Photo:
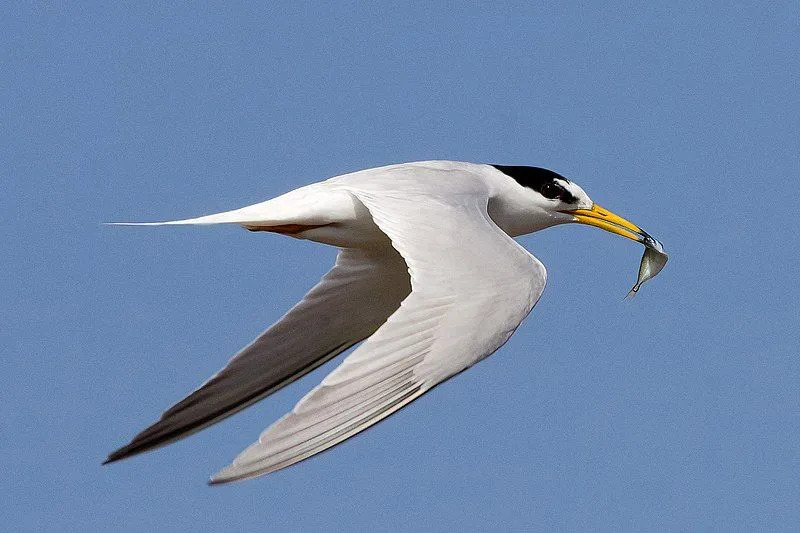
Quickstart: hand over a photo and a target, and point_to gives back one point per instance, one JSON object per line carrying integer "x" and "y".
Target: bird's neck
{"x": 514, "y": 214}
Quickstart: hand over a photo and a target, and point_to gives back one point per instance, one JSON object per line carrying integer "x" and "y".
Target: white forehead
{"x": 584, "y": 202}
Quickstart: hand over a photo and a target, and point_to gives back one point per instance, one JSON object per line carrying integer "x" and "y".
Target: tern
{"x": 428, "y": 275}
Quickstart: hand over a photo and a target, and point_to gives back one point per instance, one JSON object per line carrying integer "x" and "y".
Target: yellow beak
{"x": 604, "y": 219}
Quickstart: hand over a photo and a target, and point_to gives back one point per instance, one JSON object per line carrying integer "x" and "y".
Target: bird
{"x": 428, "y": 278}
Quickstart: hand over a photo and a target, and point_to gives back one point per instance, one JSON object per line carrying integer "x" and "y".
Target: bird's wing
{"x": 348, "y": 305}
{"x": 471, "y": 287}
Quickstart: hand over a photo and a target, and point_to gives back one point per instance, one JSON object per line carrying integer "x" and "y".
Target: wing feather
{"x": 471, "y": 287}
{"x": 348, "y": 305}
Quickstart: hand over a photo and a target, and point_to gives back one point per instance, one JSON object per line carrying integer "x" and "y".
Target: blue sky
{"x": 677, "y": 410}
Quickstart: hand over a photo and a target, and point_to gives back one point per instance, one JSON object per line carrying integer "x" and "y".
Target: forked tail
{"x": 252, "y": 215}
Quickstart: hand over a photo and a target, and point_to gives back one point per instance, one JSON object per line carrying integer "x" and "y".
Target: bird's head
{"x": 550, "y": 199}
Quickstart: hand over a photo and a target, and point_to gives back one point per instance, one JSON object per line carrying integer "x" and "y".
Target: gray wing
{"x": 471, "y": 287}
{"x": 345, "y": 307}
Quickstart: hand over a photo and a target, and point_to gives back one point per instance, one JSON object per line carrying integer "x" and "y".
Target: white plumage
{"x": 428, "y": 274}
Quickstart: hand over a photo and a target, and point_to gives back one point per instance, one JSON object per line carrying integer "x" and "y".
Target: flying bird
{"x": 428, "y": 275}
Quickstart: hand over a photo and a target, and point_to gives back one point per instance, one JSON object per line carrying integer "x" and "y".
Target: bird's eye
{"x": 551, "y": 191}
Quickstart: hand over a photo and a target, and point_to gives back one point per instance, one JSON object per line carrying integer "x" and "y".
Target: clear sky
{"x": 677, "y": 410}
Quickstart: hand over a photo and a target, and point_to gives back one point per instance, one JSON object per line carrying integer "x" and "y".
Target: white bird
{"x": 428, "y": 273}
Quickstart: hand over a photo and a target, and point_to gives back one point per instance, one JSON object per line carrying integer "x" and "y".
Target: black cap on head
{"x": 546, "y": 182}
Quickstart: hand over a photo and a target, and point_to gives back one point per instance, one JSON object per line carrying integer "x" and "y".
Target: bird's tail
{"x": 307, "y": 207}
{"x": 250, "y": 215}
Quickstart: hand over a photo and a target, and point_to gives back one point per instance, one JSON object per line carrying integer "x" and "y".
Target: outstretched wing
{"x": 471, "y": 287}
{"x": 348, "y": 305}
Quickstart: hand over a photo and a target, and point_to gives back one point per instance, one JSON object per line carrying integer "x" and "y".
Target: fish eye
{"x": 551, "y": 191}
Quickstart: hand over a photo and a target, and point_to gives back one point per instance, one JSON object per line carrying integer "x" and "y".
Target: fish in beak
{"x": 654, "y": 257}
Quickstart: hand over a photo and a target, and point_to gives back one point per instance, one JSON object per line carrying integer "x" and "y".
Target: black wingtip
{"x": 123, "y": 453}
{"x": 113, "y": 457}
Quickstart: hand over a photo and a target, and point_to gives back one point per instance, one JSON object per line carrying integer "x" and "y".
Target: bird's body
{"x": 428, "y": 273}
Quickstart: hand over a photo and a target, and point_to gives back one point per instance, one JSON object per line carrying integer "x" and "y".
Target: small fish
{"x": 653, "y": 261}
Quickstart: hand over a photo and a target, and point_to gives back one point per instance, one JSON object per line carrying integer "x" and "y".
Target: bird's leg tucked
{"x": 286, "y": 229}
